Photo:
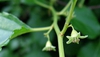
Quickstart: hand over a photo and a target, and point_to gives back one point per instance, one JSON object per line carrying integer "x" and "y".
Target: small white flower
{"x": 49, "y": 47}
{"x": 75, "y": 37}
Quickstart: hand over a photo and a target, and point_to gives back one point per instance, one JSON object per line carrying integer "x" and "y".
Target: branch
{"x": 68, "y": 19}
{"x": 57, "y": 30}
{"x": 64, "y": 10}
{"x": 41, "y": 4}
{"x": 40, "y": 29}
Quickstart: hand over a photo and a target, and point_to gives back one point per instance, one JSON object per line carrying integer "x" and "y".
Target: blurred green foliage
{"x": 86, "y": 20}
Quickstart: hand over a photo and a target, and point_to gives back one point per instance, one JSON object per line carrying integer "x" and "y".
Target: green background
{"x": 86, "y": 20}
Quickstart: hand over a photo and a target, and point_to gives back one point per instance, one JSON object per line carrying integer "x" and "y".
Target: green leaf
{"x": 86, "y": 22}
{"x": 90, "y": 50}
{"x": 10, "y": 27}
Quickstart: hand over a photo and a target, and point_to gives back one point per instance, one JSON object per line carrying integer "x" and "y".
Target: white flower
{"x": 75, "y": 37}
{"x": 49, "y": 47}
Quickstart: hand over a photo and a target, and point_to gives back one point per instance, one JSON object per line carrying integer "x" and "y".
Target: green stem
{"x": 41, "y": 4}
{"x": 50, "y": 29}
{"x": 68, "y": 19}
{"x": 57, "y": 30}
{"x": 40, "y": 29}
{"x": 47, "y": 33}
{"x": 65, "y": 8}
{"x": 32, "y": 30}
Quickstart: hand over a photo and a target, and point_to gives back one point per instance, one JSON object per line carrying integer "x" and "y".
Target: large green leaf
{"x": 90, "y": 50}
{"x": 10, "y": 27}
{"x": 86, "y": 22}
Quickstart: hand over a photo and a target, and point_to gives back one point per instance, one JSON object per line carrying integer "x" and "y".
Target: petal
{"x": 68, "y": 37}
{"x": 82, "y": 37}
{"x": 69, "y": 41}
{"x": 51, "y": 48}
